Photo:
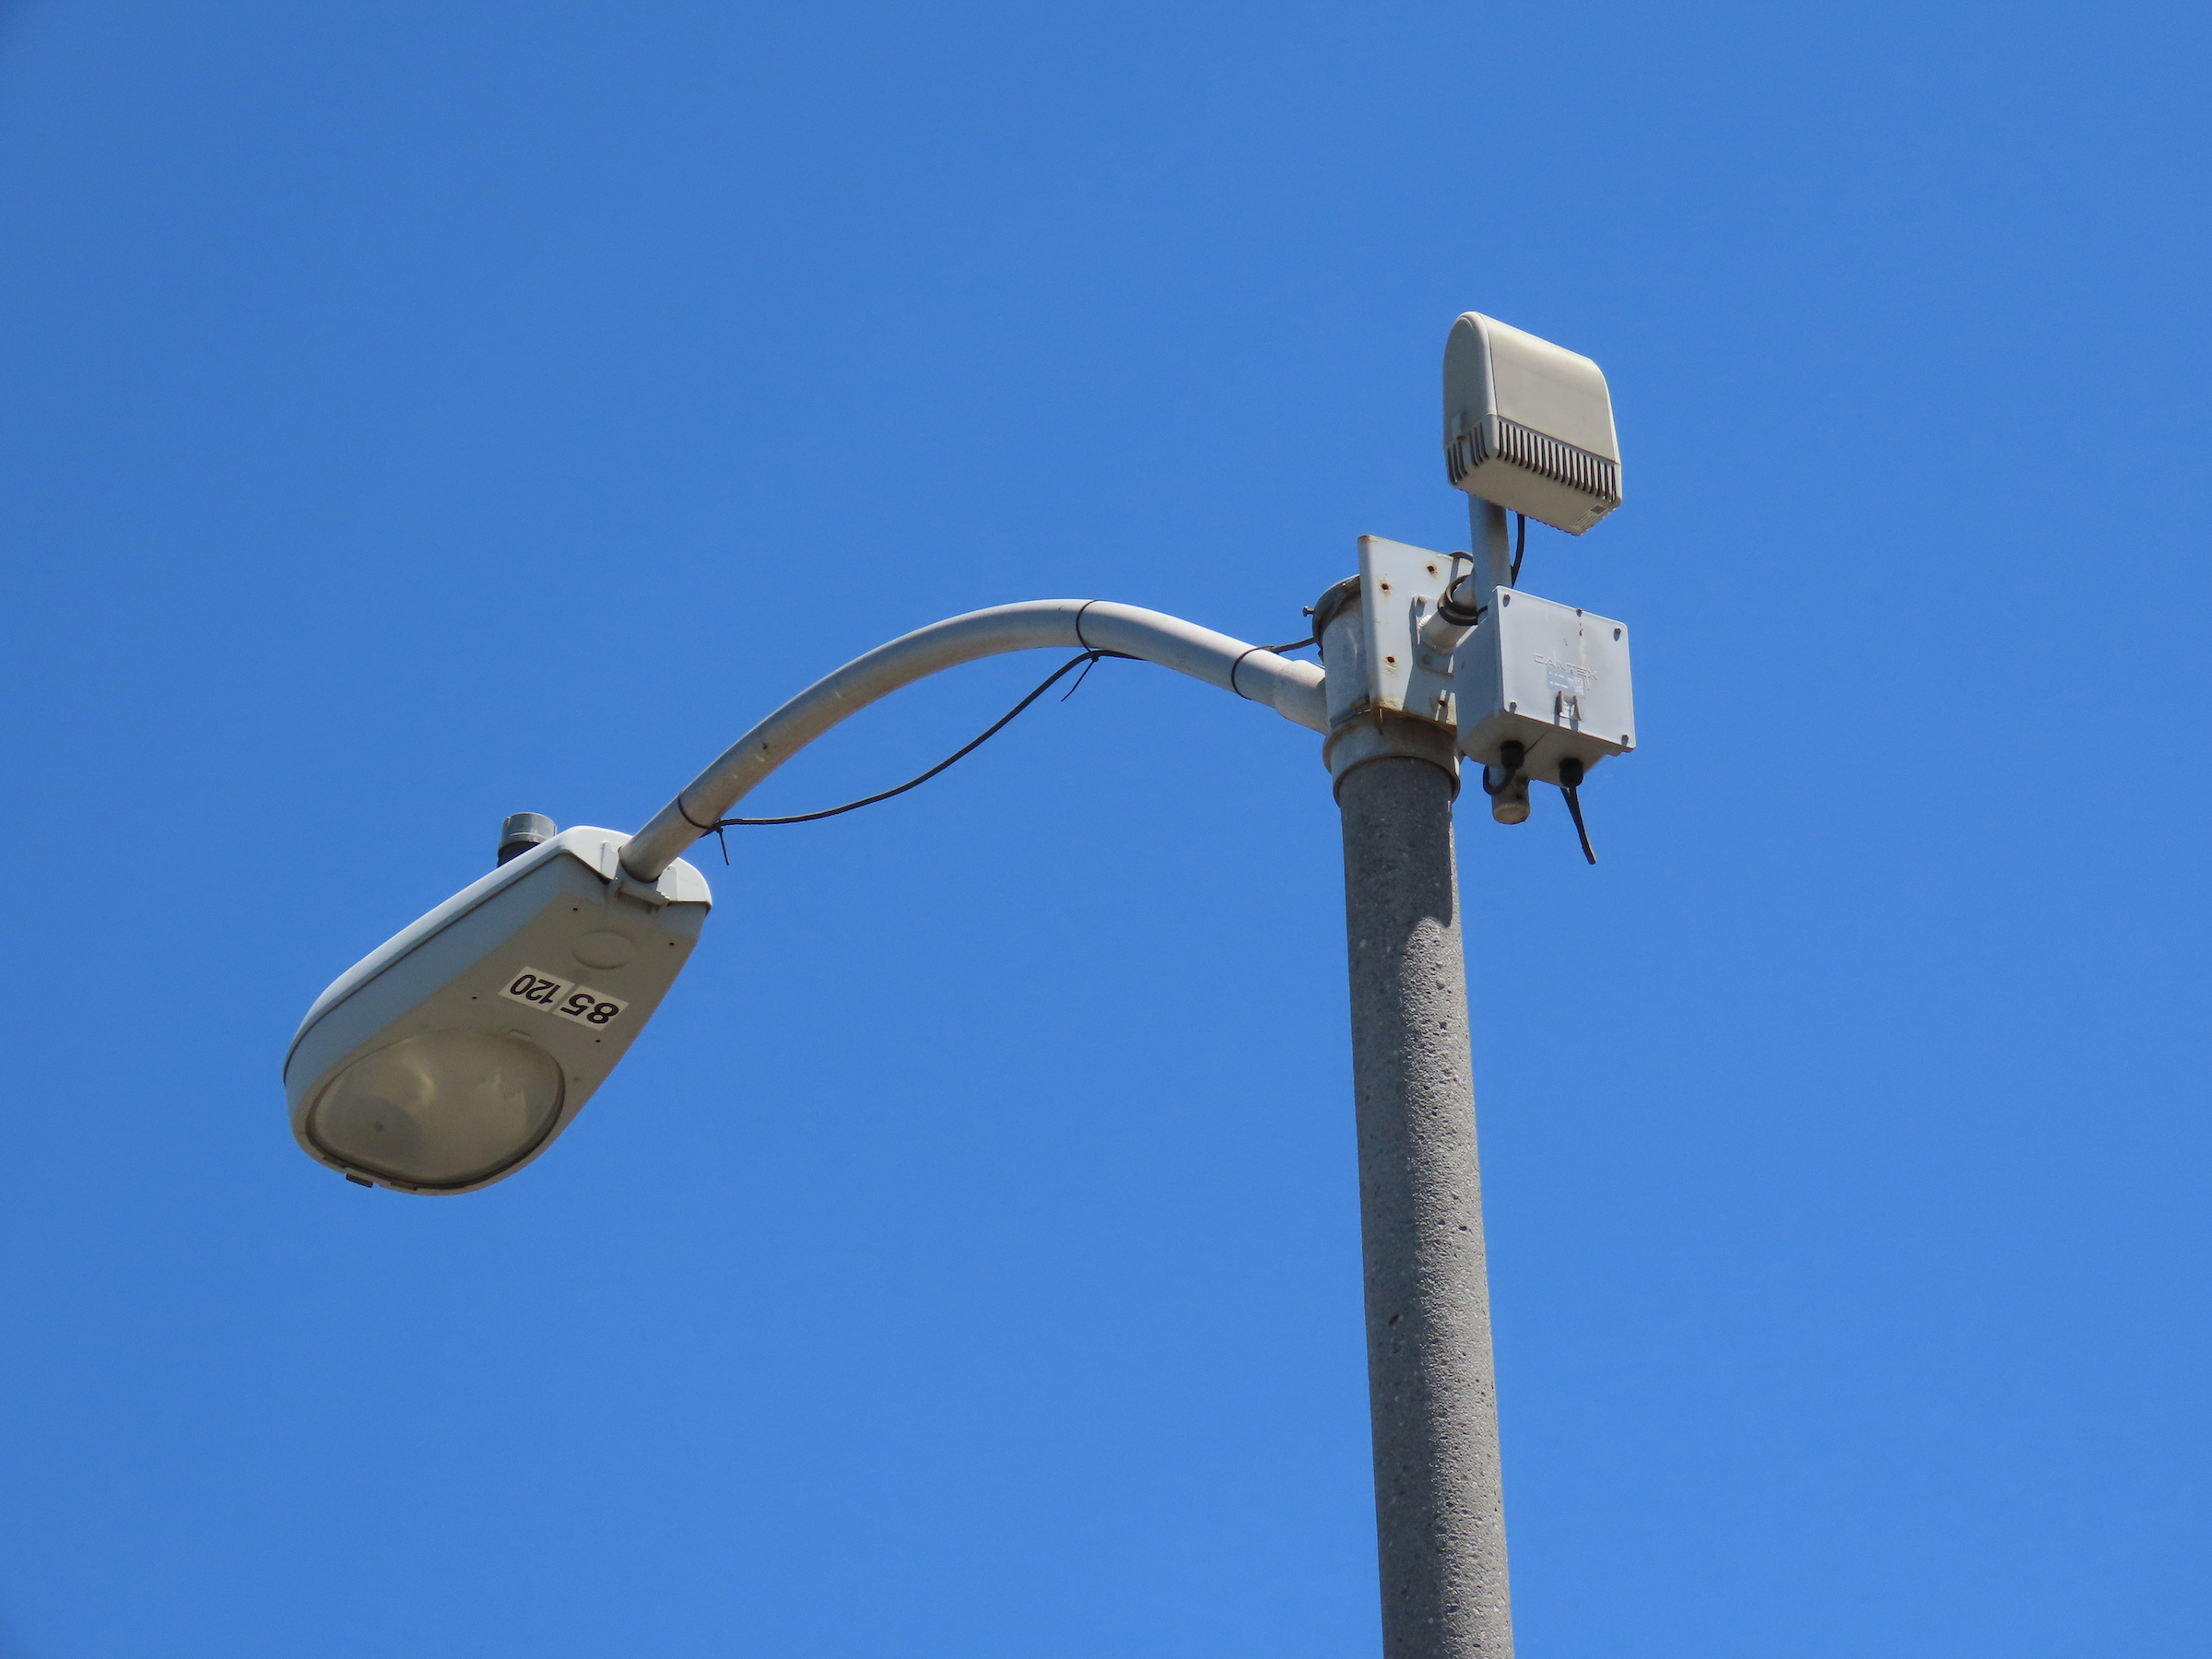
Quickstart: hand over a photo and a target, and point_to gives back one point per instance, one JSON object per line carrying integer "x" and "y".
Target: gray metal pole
{"x": 1439, "y": 1507}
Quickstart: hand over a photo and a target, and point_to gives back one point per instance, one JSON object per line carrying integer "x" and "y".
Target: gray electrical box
{"x": 1551, "y": 677}
{"x": 1528, "y": 425}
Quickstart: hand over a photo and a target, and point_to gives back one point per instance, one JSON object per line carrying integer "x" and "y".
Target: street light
{"x": 454, "y": 1053}
{"x": 451, "y": 1056}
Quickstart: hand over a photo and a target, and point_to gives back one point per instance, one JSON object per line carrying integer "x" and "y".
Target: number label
{"x": 564, "y": 999}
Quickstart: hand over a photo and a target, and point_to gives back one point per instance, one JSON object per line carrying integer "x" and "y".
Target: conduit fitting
{"x": 1508, "y": 796}
{"x": 1456, "y": 613}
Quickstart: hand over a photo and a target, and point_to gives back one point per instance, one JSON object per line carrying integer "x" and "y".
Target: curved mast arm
{"x": 1291, "y": 688}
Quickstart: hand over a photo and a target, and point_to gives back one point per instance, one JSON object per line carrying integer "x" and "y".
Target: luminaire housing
{"x": 455, "y": 1052}
{"x": 1528, "y": 425}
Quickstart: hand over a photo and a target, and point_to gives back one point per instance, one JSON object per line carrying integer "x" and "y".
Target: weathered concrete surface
{"x": 1439, "y": 1512}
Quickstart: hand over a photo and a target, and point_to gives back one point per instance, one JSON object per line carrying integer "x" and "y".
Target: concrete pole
{"x": 1440, "y": 1510}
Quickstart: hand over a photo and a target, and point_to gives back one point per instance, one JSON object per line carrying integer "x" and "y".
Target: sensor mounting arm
{"x": 1291, "y": 688}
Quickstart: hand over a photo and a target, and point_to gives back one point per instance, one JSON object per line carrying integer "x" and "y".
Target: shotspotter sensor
{"x": 1529, "y": 425}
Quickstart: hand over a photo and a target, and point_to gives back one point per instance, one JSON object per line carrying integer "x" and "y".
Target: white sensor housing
{"x": 455, "y": 1052}
{"x": 1529, "y": 425}
{"x": 1549, "y": 675}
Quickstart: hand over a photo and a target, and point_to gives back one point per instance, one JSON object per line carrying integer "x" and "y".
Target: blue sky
{"x": 416, "y": 413}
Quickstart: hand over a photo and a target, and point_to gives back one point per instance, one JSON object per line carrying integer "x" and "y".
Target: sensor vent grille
{"x": 1496, "y": 438}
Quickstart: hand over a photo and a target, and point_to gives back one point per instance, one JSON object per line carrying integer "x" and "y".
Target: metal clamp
{"x": 1384, "y": 734}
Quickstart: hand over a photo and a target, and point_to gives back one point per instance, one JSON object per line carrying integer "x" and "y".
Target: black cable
{"x": 1575, "y": 805}
{"x": 1571, "y": 778}
{"x": 1453, "y": 611}
{"x": 1521, "y": 547}
{"x": 998, "y": 726}
{"x": 1513, "y": 754}
{"x": 1067, "y": 694}
{"x": 1254, "y": 651}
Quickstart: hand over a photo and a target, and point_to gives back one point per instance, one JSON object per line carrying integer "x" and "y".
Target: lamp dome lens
{"x": 447, "y": 1109}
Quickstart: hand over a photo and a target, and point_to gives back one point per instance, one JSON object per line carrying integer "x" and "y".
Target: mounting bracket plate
{"x": 1376, "y": 661}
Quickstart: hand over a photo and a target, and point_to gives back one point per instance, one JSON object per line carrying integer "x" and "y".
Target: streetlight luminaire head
{"x": 454, "y": 1053}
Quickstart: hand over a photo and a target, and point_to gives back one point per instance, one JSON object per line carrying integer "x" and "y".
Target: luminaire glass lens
{"x": 445, "y": 1109}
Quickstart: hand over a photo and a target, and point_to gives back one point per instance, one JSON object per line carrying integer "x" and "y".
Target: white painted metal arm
{"x": 1291, "y": 688}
